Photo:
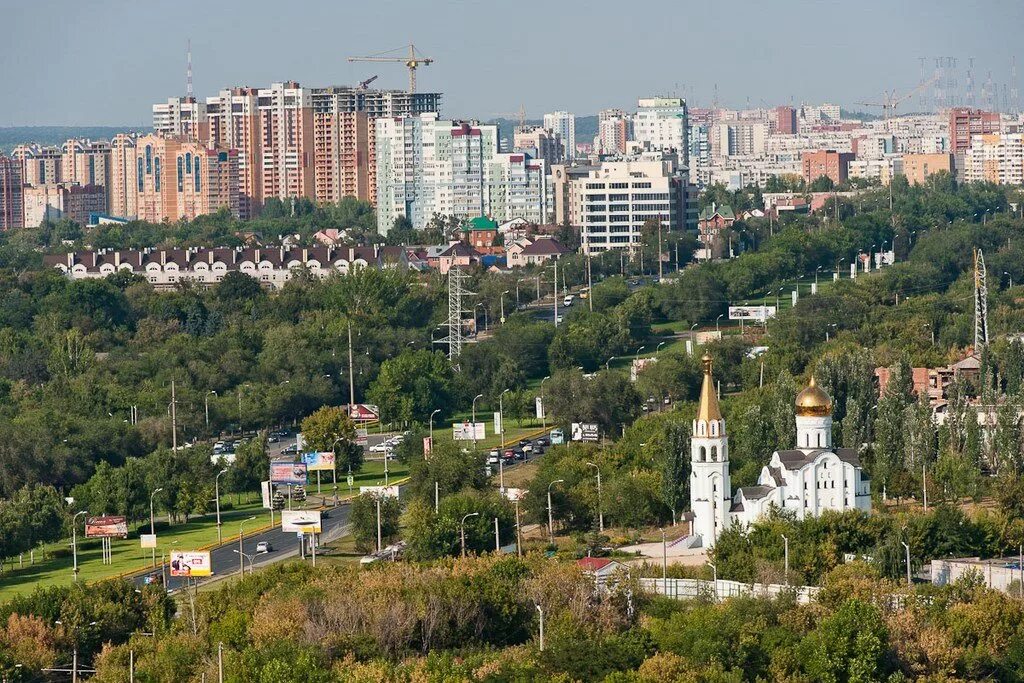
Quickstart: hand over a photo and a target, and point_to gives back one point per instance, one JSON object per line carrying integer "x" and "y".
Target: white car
{"x": 567, "y": 301}
{"x": 379, "y": 448}
{"x": 263, "y": 547}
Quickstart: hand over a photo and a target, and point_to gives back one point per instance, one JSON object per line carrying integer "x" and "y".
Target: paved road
{"x": 225, "y": 560}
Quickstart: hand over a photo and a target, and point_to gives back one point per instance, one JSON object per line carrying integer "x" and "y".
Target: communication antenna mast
{"x": 456, "y": 293}
{"x": 188, "y": 71}
{"x": 980, "y": 302}
{"x": 970, "y": 82}
{"x": 1014, "y": 93}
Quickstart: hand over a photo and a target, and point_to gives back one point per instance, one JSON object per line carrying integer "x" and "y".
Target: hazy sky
{"x": 105, "y": 62}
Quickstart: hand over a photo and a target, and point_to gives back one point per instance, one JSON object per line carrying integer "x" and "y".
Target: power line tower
{"x": 980, "y": 302}
{"x": 456, "y": 293}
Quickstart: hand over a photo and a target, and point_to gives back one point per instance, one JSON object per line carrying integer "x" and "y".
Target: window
{"x": 188, "y": 162}
{"x": 180, "y": 178}
{"x": 92, "y": 170}
{"x": 149, "y": 159}
{"x": 198, "y": 177}
{"x": 139, "y": 175}
{"x": 156, "y": 176}
{"x": 714, "y": 454}
{"x": 703, "y": 454}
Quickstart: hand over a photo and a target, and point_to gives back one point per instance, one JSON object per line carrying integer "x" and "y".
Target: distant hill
{"x": 55, "y": 135}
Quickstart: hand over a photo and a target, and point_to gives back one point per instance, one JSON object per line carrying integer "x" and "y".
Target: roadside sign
{"x": 288, "y": 472}
{"x": 300, "y": 521}
{"x": 147, "y": 540}
{"x": 497, "y": 422}
{"x": 539, "y": 405}
{"x": 191, "y": 564}
{"x": 361, "y": 436}
{"x": 584, "y": 431}
{"x": 351, "y": 480}
{"x": 109, "y": 526}
{"x": 468, "y": 431}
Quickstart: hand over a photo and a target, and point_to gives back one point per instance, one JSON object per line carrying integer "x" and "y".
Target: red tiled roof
{"x": 593, "y": 564}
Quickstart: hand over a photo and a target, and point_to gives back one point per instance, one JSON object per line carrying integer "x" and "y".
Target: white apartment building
{"x": 539, "y": 142}
{"x": 739, "y": 138}
{"x": 662, "y": 123}
{"x": 563, "y": 123}
{"x": 612, "y": 131}
{"x": 613, "y": 200}
{"x": 822, "y": 113}
{"x": 995, "y": 158}
{"x": 182, "y": 117}
{"x": 427, "y": 167}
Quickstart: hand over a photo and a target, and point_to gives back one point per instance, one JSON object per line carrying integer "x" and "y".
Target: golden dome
{"x": 813, "y": 401}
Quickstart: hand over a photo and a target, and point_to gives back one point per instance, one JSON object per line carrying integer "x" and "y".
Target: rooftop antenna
{"x": 188, "y": 71}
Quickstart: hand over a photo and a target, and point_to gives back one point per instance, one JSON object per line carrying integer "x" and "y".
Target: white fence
{"x": 689, "y": 589}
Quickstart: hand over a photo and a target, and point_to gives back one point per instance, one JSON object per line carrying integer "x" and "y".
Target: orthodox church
{"x": 808, "y": 479}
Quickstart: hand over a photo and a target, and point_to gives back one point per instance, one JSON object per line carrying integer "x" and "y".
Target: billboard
{"x": 755, "y": 313}
{"x": 361, "y": 436}
{"x": 584, "y": 431}
{"x": 188, "y": 563}
{"x": 469, "y": 431}
{"x": 428, "y": 445}
{"x": 363, "y": 412}
{"x": 266, "y": 494}
{"x": 382, "y": 491}
{"x": 300, "y": 521}
{"x": 288, "y": 473}
{"x": 108, "y": 526}
{"x": 147, "y": 540}
{"x": 319, "y": 460}
{"x": 497, "y": 422}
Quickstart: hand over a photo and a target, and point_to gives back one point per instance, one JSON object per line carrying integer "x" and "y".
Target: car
{"x": 519, "y": 454}
{"x": 272, "y": 439}
{"x": 527, "y": 448}
{"x": 290, "y": 450}
{"x": 523, "y": 442}
{"x": 543, "y": 441}
{"x": 379, "y": 447}
{"x": 264, "y": 547}
{"x": 220, "y": 444}
{"x": 492, "y": 458}
{"x": 567, "y": 301}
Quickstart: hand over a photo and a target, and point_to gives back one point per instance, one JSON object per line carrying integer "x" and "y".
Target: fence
{"x": 689, "y": 589}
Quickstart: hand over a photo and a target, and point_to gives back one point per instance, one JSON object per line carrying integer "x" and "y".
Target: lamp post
{"x": 714, "y": 570}
{"x": 474, "y": 419}
{"x": 660, "y": 344}
{"x": 206, "y": 403}
{"x": 436, "y": 411}
{"x": 717, "y": 328}
{"x": 74, "y": 543}
{"x": 241, "y": 552}
{"x": 501, "y": 441}
{"x": 216, "y": 493}
{"x": 785, "y": 539}
{"x": 462, "y": 530}
{"x": 1009, "y": 276}
{"x": 540, "y": 611}
{"x": 544, "y": 413}
{"x": 152, "y": 525}
{"x": 503, "y": 306}
{"x": 600, "y": 513}
{"x": 608, "y": 362}
{"x": 551, "y": 519}
{"x": 485, "y": 313}
{"x": 251, "y": 558}
{"x": 906, "y": 547}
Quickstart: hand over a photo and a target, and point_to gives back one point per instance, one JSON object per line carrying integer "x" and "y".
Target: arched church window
{"x": 819, "y": 439}
{"x": 714, "y": 454}
{"x": 703, "y": 454}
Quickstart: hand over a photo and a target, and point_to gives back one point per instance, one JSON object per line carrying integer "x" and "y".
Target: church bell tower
{"x": 710, "y": 488}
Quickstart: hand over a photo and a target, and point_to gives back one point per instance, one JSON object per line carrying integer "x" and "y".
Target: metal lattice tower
{"x": 456, "y": 293}
{"x": 188, "y": 70}
{"x": 980, "y": 302}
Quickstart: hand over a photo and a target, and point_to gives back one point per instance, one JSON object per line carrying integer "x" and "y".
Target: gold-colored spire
{"x": 813, "y": 401}
{"x": 708, "y": 409}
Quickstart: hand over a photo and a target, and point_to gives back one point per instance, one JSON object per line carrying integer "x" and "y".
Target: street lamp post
{"x": 503, "y": 306}
{"x": 714, "y": 575}
{"x": 206, "y": 403}
{"x": 544, "y": 412}
{"x": 241, "y": 552}
{"x": 600, "y": 513}
{"x": 1009, "y": 276}
{"x": 462, "y": 530}
{"x": 436, "y": 411}
{"x": 251, "y": 558}
{"x": 152, "y": 525}
{"x": 540, "y": 611}
{"x": 216, "y": 493}
{"x": 639, "y": 350}
{"x": 501, "y": 441}
{"x": 551, "y": 519}
{"x": 906, "y": 547}
{"x": 74, "y": 543}
{"x": 607, "y": 363}
{"x": 656, "y": 350}
{"x": 785, "y": 539}
{"x": 717, "y": 328}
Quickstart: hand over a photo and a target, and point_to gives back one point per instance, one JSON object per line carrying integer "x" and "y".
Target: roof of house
{"x": 479, "y": 223}
{"x": 755, "y": 492}
{"x": 972, "y": 362}
{"x": 595, "y": 564}
{"x": 725, "y": 211}
{"x": 795, "y": 459}
{"x": 545, "y": 247}
{"x": 461, "y": 249}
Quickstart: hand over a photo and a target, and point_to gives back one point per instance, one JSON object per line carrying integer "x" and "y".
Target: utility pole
{"x": 556, "y": 291}
{"x": 497, "y": 537}
{"x": 660, "y": 273}
{"x": 351, "y": 375}
{"x": 174, "y": 419}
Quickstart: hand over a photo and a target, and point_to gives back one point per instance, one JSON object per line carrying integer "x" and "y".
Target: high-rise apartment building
{"x": 995, "y": 158}
{"x": 53, "y": 202}
{"x": 739, "y": 138}
{"x": 181, "y": 117}
{"x": 613, "y": 127}
{"x": 234, "y": 123}
{"x": 965, "y": 123}
{"x": 539, "y": 142}
{"x": 785, "y": 121}
{"x": 917, "y": 167}
{"x": 286, "y": 135}
{"x": 611, "y": 202}
{"x": 826, "y": 162}
{"x": 661, "y": 123}
{"x": 563, "y": 123}
{"x": 12, "y": 210}
{"x": 122, "y": 192}
{"x": 39, "y": 165}
{"x": 343, "y": 150}
{"x": 428, "y": 166}
{"x": 85, "y": 162}
{"x": 179, "y": 179}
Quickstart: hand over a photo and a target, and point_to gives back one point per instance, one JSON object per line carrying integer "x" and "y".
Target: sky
{"x": 105, "y": 62}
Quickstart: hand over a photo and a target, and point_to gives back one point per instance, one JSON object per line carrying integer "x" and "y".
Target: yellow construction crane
{"x": 412, "y": 61}
{"x": 890, "y": 100}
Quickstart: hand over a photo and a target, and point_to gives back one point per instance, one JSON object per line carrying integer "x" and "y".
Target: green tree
{"x": 413, "y": 384}
{"x": 363, "y": 518}
{"x": 331, "y": 429}
{"x": 850, "y": 645}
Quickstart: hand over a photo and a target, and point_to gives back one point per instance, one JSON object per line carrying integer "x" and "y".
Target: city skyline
{"x": 790, "y": 54}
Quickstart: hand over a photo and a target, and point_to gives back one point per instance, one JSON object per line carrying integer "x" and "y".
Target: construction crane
{"x": 891, "y": 100}
{"x": 412, "y": 61}
{"x": 519, "y": 116}
{"x": 364, "y": 84}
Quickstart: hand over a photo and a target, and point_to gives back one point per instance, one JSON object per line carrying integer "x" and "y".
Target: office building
{"x": 661, "y": 123}
{"x": 181, "y": 117}
{"x": 610, "y": 202}
{"x": 826, "y": 162}
{"x": 563, "y": 123}
{"x": 539, "y": 142}
{"x": 917, "y": 167}
{"x": 179, "y": 179}
{"x": 965, "y": 123}
{"x": 12, "y": 210}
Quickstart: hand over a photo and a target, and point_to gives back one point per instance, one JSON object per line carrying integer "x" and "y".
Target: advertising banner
{"x": 584, "y": 431}
{"x": 288, "y": 473}
{"x": 428, "y": 444}
{"x": 109, "y": 526}
{"x": 266, "y": 494}
{"x": 363, "y": 412}
{"x": 147, "y": 540}
{"x": 469, "y": 431}
{"x": 319, "y": 460}
{"x": 497, "y": 422}
{"x": 539, "y": 405}
{"x": 300, "y": 521}
{"x": 187, "y": 563}
{"x": 755, "y": 313}
{"x": 382, "y": 491}
{"x": 361, "y": 434}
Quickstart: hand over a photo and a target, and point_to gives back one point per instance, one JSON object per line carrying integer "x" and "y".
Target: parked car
{"x": 290, "y": 450}
{"x": 528, "y": 448}
{"x": 263, "y": 547}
